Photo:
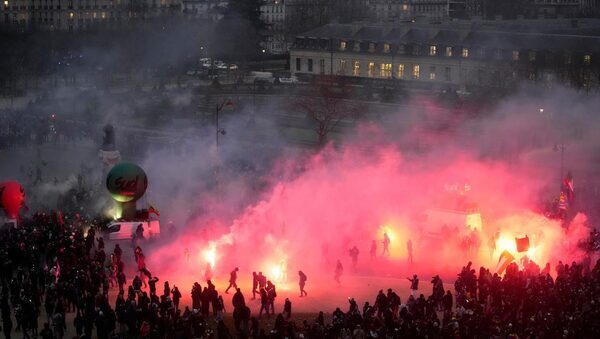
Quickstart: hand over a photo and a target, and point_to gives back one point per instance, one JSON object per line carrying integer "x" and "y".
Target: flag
{"x": 568, "y": 187}
{"x": 522, "y": 244}
{"x": 152, "y": 210}
{"x": 505, "y": 259}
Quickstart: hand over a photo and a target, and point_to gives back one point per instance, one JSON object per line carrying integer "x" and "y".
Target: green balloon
{"x": 126, "y": 182}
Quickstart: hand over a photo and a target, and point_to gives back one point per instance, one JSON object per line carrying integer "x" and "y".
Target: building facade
{"x": 211, "y": 10}
{"x": 272, "y": 12}
{"x": 81, "y": 14}
{"x": 449, "y": 56}
{"x": 407, "y": 10}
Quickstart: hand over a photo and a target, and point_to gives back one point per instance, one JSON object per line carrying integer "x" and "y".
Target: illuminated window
{"x": 103, "y": 15}
{"x": 163, "y": 2}
{"x": 386, "y": 48}
{"x": 432, "y": 50}
{"x": 531, "y": 55}
{"x": 587, "y": 59}
{"x": 71, "y": 15}
{"x": 401, "y": 71}
{"x": 515, "y": 55}
{"x": 448, "y": 51}
{"x": 432, "y": 73}
{"x": 342, "y": 69}
{"x": 343, "y": 45}
{"x": 416, "y": 72}
{"x": 386, "y": 70}
{"x": 465, "y": 52}
{"x": 405, "y": 7}
{"x": 356, "y": 68}
{"x": 371, "y": 69}
{"x": 94, "y": 15}
{"x": 5, "y": 3}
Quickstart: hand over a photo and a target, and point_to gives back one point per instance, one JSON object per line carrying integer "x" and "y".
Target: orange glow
{"x": 210, "y": 255}
{"x": 398, "y": 238}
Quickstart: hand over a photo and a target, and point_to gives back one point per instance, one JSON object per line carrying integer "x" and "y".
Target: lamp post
{"x": 219, "y": 131}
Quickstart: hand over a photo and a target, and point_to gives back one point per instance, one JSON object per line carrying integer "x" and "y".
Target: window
{"x": 432, "y": 50}
{"x": 587, "y": 59}
{"x": 515, "y": 55}
{"x": 343, "y": 45}
{"x": 480, "y": 76}
{"x": 448, "y": 51}
{"x": 405, "y": 7}
{"x": 357, "y": 46}
{"x": 400, "y": 49}
{"x": 322, "y": 66}
{"x": 356, "y": 68}
{"x": 371, "y": 47}
{"x": 310, "y": 65}
{"x": 371, "y": 69}
{"x": 415, "y": 49}
{"x": 568, "y": 59}
{"x": 386, "y": 70}
{"x": 432, "y": 73}
{"x": 401, "y": 71}
{"x": 447, "y": 74}
{"x": 298, "y": 64}
{"x": 498, "y": 53}
{"x": 465, "y": 52}
{"x": 416, "y": 72}
{"x": 531, "y": 56}
{"x": 342, "y": 69}
{"x": 386, "y": 48}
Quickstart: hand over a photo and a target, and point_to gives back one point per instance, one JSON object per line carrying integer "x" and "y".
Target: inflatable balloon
{"x": 12, "y": 198}
{"x": 126, "y": 182}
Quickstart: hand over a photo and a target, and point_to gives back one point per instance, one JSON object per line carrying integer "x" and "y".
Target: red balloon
{"x": 12, "y": 197}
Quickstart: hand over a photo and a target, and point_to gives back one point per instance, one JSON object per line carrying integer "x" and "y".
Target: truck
{"x": 125, "y": 230}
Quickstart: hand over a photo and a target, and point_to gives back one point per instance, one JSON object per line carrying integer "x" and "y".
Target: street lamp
{"x": 219, "y": 131}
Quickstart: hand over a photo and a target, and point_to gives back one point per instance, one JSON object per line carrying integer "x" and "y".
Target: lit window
{"x": 356, "y": 68}
{"x": 342, "y": 69}
{"x": 371, "y": 69}
{"x": 515, "y": 55}
{"x": 448, "y": 51}
{"x": 432, "y": 50}
{"x": 386, "y": 70}
{"x": 5, "y": 3}
{"x": 531, "y": 55}
{"x": 465, "y": 52}
{"x": 432, "y": 73}
{"x": 94, "y": 15}
{"x": 386, "y": 48}
{"x": 103, "y": 15}
{"x": 71, "y": 15}
{"x": 587, "y": 59}
{"x": 416, "y": 72}
{"x": 405, "y": 7}
{"x": 343, "y": 45}
{"x": 401, "y": 71}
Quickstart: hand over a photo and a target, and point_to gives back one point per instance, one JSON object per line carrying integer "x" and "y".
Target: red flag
{"x": 152, "y": 210}
{"x": 522, "y": 244}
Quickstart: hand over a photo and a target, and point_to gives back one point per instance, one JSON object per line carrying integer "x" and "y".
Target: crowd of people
{"x": 50, "y": 267}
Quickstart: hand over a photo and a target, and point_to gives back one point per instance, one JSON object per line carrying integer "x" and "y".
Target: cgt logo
{"x": 124, "y": 186}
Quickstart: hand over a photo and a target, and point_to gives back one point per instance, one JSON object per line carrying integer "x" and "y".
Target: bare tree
{"x": 328, "y": 107}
